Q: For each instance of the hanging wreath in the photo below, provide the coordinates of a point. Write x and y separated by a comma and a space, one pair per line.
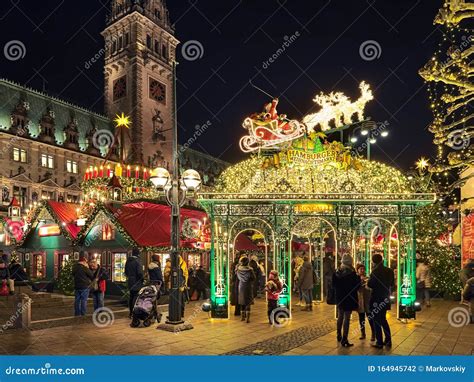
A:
191, 228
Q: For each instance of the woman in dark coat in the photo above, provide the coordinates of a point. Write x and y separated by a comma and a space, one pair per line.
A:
234, 285
346, 284
256, 270
246, 277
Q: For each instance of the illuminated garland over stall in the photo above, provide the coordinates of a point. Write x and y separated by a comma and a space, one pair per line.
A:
255, 176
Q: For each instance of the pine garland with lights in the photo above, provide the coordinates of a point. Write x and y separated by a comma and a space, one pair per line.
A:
443, 259
451, 91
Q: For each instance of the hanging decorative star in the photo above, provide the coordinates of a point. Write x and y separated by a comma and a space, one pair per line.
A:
422, 164
122, 121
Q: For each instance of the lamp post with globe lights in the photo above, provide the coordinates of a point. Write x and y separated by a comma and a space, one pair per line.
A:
175, 190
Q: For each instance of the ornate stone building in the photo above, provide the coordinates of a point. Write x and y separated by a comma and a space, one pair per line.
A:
140, 50
46, 144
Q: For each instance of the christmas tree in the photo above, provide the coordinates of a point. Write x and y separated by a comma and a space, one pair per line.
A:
451, 89
66, 279
442, 257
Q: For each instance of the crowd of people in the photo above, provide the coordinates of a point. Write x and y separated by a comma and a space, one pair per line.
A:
348, 286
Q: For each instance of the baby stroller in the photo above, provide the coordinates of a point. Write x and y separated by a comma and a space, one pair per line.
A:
145, 308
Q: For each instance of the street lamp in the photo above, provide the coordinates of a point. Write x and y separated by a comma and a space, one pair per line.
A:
175, 191
368, 131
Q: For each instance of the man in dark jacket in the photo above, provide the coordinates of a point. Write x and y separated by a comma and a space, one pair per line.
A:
305, 283
201, 283
381, 282
83, 277
134, 273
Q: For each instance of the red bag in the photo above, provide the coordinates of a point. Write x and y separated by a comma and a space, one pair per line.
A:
102, 284
4, 289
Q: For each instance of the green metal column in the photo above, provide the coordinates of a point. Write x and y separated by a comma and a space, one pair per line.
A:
406, 278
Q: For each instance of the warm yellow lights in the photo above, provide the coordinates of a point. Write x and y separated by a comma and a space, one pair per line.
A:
422, 164
338, 109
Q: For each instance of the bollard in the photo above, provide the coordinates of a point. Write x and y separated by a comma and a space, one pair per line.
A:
21, 318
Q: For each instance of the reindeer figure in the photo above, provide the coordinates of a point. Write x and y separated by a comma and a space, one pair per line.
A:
338, 108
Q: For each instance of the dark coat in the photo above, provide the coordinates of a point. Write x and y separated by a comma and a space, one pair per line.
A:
154, 273
83, 276
4, 272
234, 284
346, 283
246, 277
201, 279
305, 276
17, 272
257, 272
134, 273
381, 281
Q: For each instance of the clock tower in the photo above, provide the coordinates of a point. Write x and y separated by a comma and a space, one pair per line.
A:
139, 53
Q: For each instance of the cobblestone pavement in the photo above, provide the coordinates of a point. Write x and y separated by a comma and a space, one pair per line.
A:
307, 333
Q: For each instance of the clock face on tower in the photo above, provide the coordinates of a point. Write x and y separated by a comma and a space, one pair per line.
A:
120, 88
157, 91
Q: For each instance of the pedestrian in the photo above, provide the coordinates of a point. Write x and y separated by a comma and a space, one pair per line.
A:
298, 262
134, 273
305, 283
154, 270
363, 296
83, 277
381, 281
98, 285
167, 274
262, 279
234, 285
273, 288
256, 270
346, 283
328, 271
246, 277
201, 283
467, 272
183, 278
18, 275
467, 279
4, 278
423, 281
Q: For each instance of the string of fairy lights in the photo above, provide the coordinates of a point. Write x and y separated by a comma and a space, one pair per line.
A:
450, 91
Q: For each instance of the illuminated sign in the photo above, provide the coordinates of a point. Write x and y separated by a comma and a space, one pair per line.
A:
311, 158
49, 230
314, 207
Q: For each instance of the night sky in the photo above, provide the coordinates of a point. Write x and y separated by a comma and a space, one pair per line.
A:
237, 38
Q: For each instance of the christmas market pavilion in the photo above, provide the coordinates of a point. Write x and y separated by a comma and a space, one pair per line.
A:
299, 185
360, 208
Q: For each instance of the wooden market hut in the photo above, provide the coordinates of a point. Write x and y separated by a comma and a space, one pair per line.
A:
50, 240
113, 229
